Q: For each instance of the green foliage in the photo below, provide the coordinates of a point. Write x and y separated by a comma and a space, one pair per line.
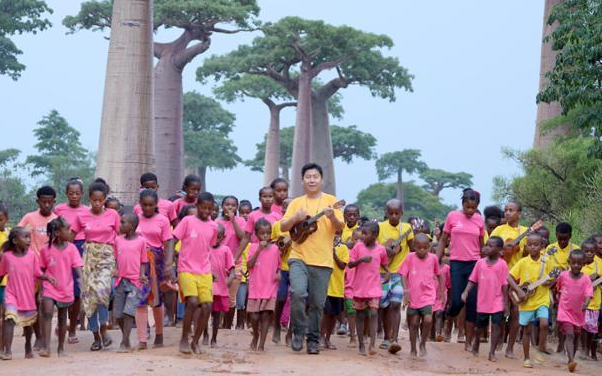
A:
60, 153
437, 180
418, 201
13, 192
206, 134
18, 17
395, 163
576, 79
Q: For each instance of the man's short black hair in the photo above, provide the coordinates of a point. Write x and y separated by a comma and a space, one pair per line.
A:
312, 166
564, 228
46, 191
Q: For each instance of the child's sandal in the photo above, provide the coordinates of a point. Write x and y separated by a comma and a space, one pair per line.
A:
96, 346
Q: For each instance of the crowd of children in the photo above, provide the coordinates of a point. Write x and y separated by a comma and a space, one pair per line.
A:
190, 258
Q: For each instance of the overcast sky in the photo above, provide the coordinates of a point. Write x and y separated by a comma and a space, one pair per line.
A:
476, 67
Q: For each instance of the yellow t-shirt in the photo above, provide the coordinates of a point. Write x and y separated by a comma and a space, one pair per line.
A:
244, 263
508, 232
527, 270
348, 232
276, 232
317, 249
387, 232
561, 257
336, 286
590, 269
4, 238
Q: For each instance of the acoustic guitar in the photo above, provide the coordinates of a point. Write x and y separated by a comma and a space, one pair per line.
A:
597, 282
511, 246
302, 230
393, 246
529, 288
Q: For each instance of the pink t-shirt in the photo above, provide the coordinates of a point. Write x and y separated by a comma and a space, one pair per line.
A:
59, 265
36, 223
422, 279
366, 282
254, 217
129, 255
262, 276
156, 230
221, 264
101, 228
179, 204
230, 239
440, 303
71, 214
197, 237
165, 207
277, 209
349, 274
23, 273
490, 280
573, 293
465, 235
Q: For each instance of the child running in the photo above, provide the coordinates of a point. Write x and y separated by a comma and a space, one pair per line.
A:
59, 258
350, 311
367, 257
422, 284
490, 276
263, 262
22, 267
591, 268
441, 303
335, 300
575, 289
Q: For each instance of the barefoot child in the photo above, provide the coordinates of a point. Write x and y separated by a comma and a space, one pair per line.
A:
592, 269
490, 275
441, 303
130, 303
197, 234
422, 283
285, 282
58, 259
263, 262
335, 301
367, 257
575, 290
22, 267
350, 311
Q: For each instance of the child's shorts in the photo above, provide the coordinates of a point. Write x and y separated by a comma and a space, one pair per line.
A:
58, 304
392, 290
334, 306
361, 304
198, 285
260, 305
241, 296
568, 328
2, 288
591, 320
423, 311
220, 304
349, 309
127, 299
525, 317
483, 319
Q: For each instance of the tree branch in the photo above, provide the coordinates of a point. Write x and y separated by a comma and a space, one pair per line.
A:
226, 31
286, 104
331, 87
330, 64
186, 56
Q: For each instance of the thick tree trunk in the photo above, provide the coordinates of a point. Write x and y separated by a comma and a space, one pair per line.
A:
285, 172
272, 147
169, 134
400, 187
126, 147
321, 151
202, 172
547, 111
303, 129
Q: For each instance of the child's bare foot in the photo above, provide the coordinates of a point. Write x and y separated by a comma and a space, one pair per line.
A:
423, 352
205, 341
7, 356
492, 358
439, 338
158, 341
413, 354
123, 348
467, 347
572, 366
44, 353
253, 345
371, 351
352, 343
61, 353
289, 338
37, 345
213, 344
362, 349
582, 355
276, 335
510, 354
184, 347
194, 346
28, 354
142, 346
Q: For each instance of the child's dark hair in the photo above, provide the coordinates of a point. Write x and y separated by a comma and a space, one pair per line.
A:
518, 204
46, 191
277, 181
589, 241
493, 212
204, 197
75, 180
497, 241
103, 181
577, 253
594, 236
352, 206
245, 203
189, 179
98, 186
469, 194
133, 218
543, 229
148, 176
363, 220
371, 226
262, 222
311, 166
3, 209
564, 228
535, 235
150, 193
228, 197
15, 232
265, 189
54, 225
184, 211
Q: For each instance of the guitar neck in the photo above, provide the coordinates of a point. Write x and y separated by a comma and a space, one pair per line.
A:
520, 237
597, 282
316, 217
539, 282
403, 236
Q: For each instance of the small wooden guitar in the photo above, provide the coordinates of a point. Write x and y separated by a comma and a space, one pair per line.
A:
393, 246
511, 246
529, 288
597, 282
282, 242
302, 230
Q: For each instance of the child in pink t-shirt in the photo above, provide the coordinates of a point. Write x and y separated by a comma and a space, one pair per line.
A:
490, 275
441, 304
129, 303
422, 284
366, 258
575, 290
350, 312
37, 221
263, 263
192, 187
22, 267
59, 258
266, 199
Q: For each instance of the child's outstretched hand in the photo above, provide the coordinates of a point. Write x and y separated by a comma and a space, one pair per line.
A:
367, 259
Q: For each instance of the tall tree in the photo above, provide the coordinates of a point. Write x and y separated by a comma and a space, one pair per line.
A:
18, 17
206, 129
437, 180
198, 21
395, 163
293, 52
13, 192
60, 153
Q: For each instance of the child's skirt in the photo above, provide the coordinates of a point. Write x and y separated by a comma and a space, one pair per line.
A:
591, 320
21, 318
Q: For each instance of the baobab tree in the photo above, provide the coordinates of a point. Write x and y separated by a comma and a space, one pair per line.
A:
395, 163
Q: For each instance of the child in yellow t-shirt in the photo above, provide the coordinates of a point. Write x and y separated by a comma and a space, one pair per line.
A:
351, 214
335, 300
592, 268
563, 245
4, 230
